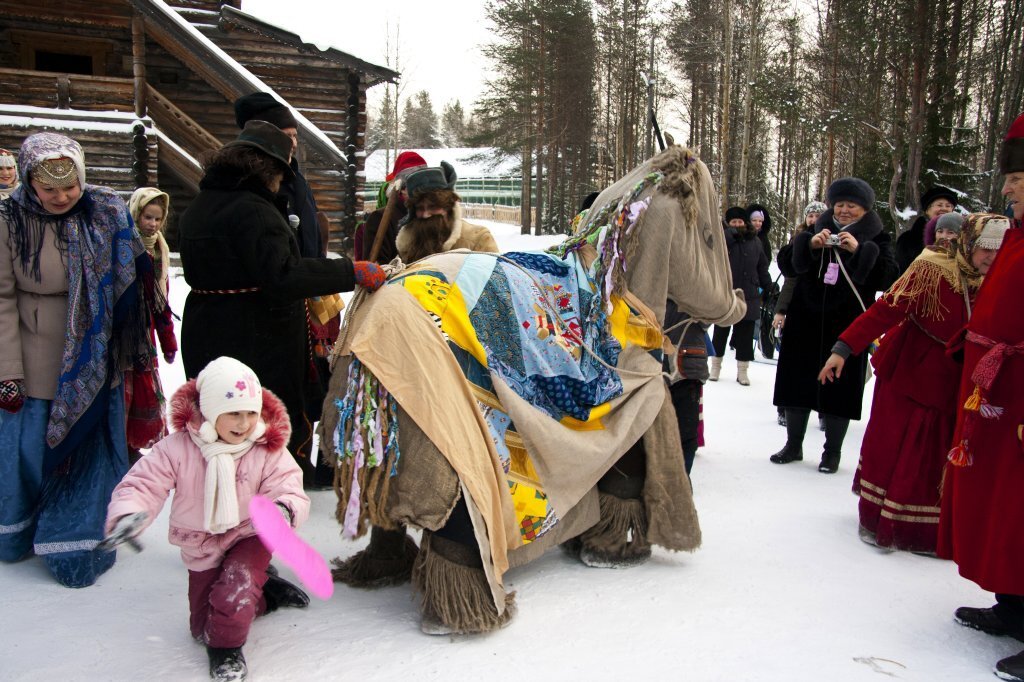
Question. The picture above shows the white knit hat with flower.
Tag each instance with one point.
(226, 385)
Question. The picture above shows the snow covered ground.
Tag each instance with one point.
(782, 589)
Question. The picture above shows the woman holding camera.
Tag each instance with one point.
(841, 263)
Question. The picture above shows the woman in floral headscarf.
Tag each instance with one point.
(71, 321)
(914, 409)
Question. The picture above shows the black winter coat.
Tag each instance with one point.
(910, 243)
(302, 203)
(819, 313)
(749, 268)
(235, 237)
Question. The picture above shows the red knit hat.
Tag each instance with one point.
(1011, 154)
(405, 161)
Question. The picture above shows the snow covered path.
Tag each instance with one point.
(782, 589)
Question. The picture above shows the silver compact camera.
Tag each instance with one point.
(832, 240)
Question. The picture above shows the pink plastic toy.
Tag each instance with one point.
(279, 538)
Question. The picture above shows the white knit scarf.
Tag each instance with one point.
(220, 495)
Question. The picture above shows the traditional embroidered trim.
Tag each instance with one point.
(910, 519)
(61, 547)
(60, 172)
(16, 527)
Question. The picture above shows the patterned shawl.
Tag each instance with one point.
(920, 282)
(107, 326)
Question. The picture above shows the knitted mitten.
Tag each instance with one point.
(12, 395)
(369, 275)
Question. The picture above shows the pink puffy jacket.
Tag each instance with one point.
(176, 463)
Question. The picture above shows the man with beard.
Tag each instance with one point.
(434, 223)
(362, 242)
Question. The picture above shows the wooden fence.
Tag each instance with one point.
(499, 214)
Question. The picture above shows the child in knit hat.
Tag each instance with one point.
(228, 445)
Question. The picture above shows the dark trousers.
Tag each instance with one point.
(223, 601)
(686, 399)
(742, 339)
(1010, 609)
(796, 427)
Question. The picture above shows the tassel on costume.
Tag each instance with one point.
(960, 456)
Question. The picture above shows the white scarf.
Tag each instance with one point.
(220, 494)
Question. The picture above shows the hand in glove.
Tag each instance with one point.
(125, 530)
(369, 275)
(12, 395)
(285, 512)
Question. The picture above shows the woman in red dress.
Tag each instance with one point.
(913, 413)
(982, 524)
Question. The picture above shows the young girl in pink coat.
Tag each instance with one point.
(228, 445)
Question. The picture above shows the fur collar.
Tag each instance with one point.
(184, 412)
(405, 237)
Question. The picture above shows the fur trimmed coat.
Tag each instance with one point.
(463, 236)
(820, 312)
(176, 463)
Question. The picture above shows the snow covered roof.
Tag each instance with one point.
(220, 69)
(378, 74)
(469, 162)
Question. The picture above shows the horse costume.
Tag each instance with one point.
(508, 403)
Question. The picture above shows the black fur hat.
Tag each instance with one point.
(937, 192)
(851, 189)
(262, 106)
(734, 212)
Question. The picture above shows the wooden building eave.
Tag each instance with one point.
(231, 18)
(186, 43)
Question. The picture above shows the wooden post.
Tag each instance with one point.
(139, 63)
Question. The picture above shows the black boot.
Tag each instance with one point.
(796, 426)
(1011, 668)
(986, 620)
(227, 665)
(279, 593)
(835, 432)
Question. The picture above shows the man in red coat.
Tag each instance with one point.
(981, 525)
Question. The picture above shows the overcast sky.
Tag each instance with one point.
(439, 41)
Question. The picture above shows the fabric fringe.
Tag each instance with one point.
(366, 445)
(920, 285)
(455, 595)
(621, 533)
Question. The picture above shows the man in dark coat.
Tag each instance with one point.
(262, 106)
(249, 281)
(909, 244)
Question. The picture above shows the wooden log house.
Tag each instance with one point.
(147, 87)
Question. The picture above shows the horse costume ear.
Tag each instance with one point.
(450, 176)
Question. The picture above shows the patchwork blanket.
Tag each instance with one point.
(531, 322)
